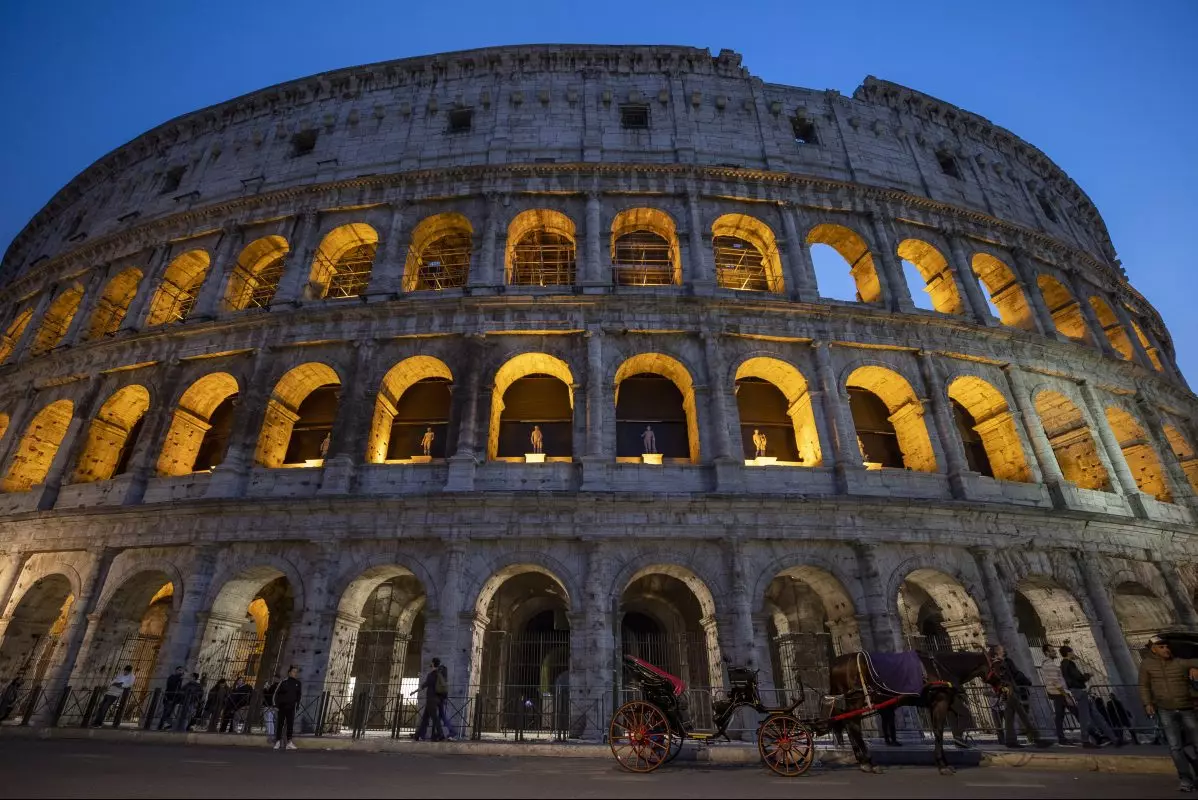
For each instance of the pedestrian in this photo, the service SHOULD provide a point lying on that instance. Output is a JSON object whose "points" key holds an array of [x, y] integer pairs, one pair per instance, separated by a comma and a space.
{"points": [[216, 698], [1165, 692], [1054, 687], [117, 687], [270, 713], [1010, 684], [889, 728], [436, 689], [235, 705], [287, 696], [1119, 718], [1075, 682], [8, 700], [450, 733], [171, 697], [190, 698]]}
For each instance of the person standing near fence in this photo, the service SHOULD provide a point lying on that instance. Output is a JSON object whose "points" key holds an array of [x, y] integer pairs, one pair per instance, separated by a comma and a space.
{"points": [[190, 698], [235, 705], [1075, 682], [1054, 687], [436, 689], [1011, 685], [119, 685], [287, 697], [1165, 692], [270, 713], [171, 697], [450, 733]]}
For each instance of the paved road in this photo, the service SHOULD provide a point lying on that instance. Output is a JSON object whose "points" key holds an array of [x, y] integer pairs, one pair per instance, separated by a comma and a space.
{"points": [[101, 769]]}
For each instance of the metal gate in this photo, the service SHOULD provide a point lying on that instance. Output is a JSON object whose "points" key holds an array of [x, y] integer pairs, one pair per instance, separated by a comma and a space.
{"points": [[802, 660], [243, 653], [524, 683]]}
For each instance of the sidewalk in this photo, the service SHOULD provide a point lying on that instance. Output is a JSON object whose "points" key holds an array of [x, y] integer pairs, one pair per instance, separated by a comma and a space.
{"points": [[1132, 759]]}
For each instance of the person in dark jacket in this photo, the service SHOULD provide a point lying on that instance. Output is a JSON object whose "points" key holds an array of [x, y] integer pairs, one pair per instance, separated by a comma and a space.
{"points": [[1011, 686], [8, 700], [237, 701], [172, 696], [287, 697], [1166, 690], [270, 713], [436, 689], [216, 699], [1075, 682], [190, 698]]}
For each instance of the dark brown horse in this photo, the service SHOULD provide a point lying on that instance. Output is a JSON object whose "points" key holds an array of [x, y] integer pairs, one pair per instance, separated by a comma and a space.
{"points": [[945, 673]]}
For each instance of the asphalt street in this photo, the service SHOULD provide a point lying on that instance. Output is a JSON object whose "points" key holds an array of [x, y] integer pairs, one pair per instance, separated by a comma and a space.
{"points": [[102, 769]]}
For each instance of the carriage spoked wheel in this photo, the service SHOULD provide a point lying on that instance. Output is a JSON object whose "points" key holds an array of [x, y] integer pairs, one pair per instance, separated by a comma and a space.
{"points": [[640, 737], [786, 745]]}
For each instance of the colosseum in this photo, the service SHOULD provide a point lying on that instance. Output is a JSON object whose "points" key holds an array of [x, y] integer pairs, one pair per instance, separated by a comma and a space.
{"points": [[527, 357]]}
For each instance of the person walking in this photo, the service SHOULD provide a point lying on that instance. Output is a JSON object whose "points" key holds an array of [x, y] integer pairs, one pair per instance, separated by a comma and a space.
{"points": [[1054, 687], [237, 701], [450, 733], [1075, 682], [119, 685], [171, 697], [1165, 692], [287, 697], [190, 698], [1010, 685], [270, 713], [436, 689]]}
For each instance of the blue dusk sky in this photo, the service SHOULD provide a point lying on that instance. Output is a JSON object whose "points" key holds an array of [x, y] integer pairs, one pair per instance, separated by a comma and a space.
{"points": [[1105, 89]]}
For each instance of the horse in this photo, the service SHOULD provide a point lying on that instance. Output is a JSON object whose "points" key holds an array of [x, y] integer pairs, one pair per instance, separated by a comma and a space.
{"points": [[945, 673]]}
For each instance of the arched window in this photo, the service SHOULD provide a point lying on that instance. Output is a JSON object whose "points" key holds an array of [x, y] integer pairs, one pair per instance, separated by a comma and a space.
{"points": [[1003, 289], [1064, 308], [439, 255], [299, 417], [538, 402], [1139, 453], [884, 405], [33, 456], [746, 255], [935, 275], [976, 456], [1114, 332], [415, 397], [57, 320], [179, 288], [114, 304], [200, 427], [541, 249], [834, 247], [12, 336], [984, 419], [1184, 452], [655, 390], [772, 397], [1072, 441], [644, 249], [343, 262], [875, 432], [113, 435], [255, 278]]}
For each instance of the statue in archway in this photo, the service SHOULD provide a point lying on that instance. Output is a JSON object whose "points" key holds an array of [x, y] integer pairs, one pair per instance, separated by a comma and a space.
{"points": [[649, 440], [759, 441], [426, 441], [537, 439], [324, 445]]}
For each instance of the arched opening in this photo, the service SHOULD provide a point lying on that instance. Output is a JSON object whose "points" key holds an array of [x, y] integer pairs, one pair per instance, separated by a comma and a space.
{"points": [[343, 262], [655, 391], [772, 397], [1139, 454], [113, 304], [1065, 310], [12, 336], [932, 274], [833, 247], [540, 249], [746, 255], [1046, 613], [255, 278], [1184, 451], [57, 320], [298, 425], [937, 614], [1153, 354], [413, 400], [1072, 441], [199, 433], [439, 254], [889, 420], [1003, 290], [987, 428], [113, 435], [811, 620], [33, 456], [644, 249], [179, 289], [1141, 613], [376, 644], [33, 634], [533, 392], [522, 636], [247, 628], [1114, 331]]}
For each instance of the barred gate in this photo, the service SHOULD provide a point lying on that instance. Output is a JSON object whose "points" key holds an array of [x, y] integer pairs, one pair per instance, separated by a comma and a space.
{"points": [[524, 683], [242, 653], [684, 655]]}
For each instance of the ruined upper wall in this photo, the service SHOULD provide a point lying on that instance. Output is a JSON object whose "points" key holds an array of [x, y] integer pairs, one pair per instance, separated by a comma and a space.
{"points": [[560, 103]]}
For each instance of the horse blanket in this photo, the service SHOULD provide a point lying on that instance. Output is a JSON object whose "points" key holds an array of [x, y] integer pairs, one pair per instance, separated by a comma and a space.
{"points": [[897, 673]]}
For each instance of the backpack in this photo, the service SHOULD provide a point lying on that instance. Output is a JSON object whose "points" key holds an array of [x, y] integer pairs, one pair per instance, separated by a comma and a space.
{"points": [[440, 685]]}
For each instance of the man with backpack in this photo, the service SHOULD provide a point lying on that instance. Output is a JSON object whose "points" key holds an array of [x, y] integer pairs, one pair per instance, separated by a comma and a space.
{"points": [[436, 689]]}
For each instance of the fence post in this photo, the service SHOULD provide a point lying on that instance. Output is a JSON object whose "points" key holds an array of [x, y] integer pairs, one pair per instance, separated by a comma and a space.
{"points": [[60, 706], [148, 720], [92, 701], [322, 712], [31, 706], [476, 733], [120, 708]]}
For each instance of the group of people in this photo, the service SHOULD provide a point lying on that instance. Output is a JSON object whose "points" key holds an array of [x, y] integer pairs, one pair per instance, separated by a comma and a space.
{"points": [[184, 705]]}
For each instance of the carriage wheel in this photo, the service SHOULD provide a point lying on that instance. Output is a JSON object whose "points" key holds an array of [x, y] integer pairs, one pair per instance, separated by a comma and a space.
{"points": [[676, 740], [640, 737], [786, 745]]}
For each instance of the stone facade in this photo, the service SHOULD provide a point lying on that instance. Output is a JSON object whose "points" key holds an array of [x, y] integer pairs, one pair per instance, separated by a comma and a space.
{"points": [[217, 335]]}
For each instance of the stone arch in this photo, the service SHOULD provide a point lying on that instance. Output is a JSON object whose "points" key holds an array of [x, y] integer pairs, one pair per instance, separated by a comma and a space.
{"points": [[483, 588], [285, 412], [1184, 451], [200, 425], [179, 288], [256, 275], [746, 255], [1004, 290], [12, 336], [990, 418], [343, 262], [541, 249], [936, 609], [130, 624], [1111, 327], [937, 275], [399, 379], [1065, 310], [113, 303], [1140, 454], [1153, 354], [113, 435], [787, 379], [521, 366], [904, 415], [1140, 610], [43, 436], [439, 253], [38, 618], [1072, 441], [57, 320], [854, 250], [644, 248], [1046, 612], [673, 370]]}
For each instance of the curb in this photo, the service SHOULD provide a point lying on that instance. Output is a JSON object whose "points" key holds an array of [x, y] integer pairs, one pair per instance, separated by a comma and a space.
{"points": [[725, 754]]}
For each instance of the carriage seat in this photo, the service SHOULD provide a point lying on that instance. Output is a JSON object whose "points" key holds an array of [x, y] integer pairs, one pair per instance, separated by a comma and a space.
{"points": [[650, 673]]}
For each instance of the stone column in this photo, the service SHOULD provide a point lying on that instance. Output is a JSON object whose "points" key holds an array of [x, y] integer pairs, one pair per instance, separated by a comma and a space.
{"points": [[487, 271], [1109, 634], [594, 272], [1050, 470], [846, 451], [1179, 482], [886, 635], [963, 268], [1174, 585], [219, 269], [144, 460], [1114, 453], [998, 594], [946, 427], [310, 638], [188, 620], [1045, 323], [87, 306], [464, 461], [702, 266], [444, 630], [1139, 354], [299, 260], [347, 445], [742, 604], [594, 463], [229, 478], [387, 275], [147, 287], [593, 647], [898, 294], [1083, 292], [70, 448], [728, 468], [803, 285], [17, 559]]}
